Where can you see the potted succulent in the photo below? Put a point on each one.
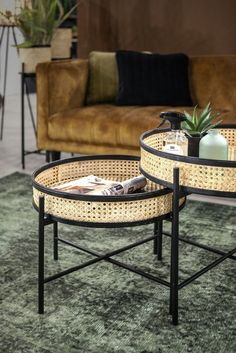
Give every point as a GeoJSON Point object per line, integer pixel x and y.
{"type": "Point", "coordinates": [197, 125]}
{"type": "Point", "coordinates": [37, 23]}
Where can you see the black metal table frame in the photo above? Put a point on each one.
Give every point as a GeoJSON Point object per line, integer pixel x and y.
{"type": "Point", "coordinates": [45, 220]}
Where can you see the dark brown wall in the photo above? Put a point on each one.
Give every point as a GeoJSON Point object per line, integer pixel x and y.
{"type": "Point", "coordinates": [192, 26]}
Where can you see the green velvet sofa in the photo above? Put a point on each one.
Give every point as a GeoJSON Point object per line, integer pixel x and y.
{"type": "Point", "coordinates": [66, 124]}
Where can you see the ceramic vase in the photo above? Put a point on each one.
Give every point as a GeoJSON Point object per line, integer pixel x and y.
{"type": "Point", "coordinates": [213, 146]}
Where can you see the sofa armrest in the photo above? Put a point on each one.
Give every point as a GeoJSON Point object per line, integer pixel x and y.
{"type": "Point", "coordinates": [60, 86]}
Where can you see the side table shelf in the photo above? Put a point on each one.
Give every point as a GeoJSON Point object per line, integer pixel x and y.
{"type": "Point", "coordinates": [191, 175]}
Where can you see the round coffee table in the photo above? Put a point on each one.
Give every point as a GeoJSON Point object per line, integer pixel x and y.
{"type": "Point", "coordinates": [153, 205]}
{"type": "Point", "coordinates": [186, 175]}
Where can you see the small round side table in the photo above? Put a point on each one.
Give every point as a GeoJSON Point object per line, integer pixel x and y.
{"type": "Point", "coordinates": [153, 205]}
{"type": "Point", "coordinates": [186, 175]}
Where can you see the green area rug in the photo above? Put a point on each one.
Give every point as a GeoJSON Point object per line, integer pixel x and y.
{"type": "Point", "coordinates": [106, 309]}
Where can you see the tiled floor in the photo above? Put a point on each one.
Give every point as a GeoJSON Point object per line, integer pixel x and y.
{"type": "Point", "coordinates": [10, 146]}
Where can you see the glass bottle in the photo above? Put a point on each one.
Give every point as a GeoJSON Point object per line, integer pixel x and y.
{"type": "Point", "coordinates": [175, 140]}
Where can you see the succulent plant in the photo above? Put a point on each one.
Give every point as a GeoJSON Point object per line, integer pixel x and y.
{"type": "Point", "coordinates": [198, 123]}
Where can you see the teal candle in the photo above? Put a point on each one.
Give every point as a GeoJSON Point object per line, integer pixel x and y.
{"type": "Point", "coordinates": [213, 146]}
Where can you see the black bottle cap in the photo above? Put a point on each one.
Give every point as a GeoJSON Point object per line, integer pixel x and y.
{"type": "Point", "coordinates": [175, 119]}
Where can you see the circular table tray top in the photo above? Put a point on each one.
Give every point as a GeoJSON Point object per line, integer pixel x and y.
{"type": "Point", "coordinates": [143, 207]}
{"type": "Point", "coordinates": [203, 176]}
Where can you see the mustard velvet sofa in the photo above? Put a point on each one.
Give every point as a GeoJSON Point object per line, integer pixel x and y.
{"type": "Point", "coordinates": [66, 124]}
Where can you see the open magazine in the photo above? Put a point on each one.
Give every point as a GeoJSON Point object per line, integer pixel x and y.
{"type": "Point", "coordinates": [94, 185]}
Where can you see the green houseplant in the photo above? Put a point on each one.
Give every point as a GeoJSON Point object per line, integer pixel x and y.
{"type": "Point", "coordinates": [197, 125]}
{"type": "Point", "coordinates": [37, 22]}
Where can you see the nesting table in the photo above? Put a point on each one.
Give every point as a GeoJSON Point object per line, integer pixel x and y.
{"type": "Point", "coordinates": [153, 205]}
{"type": "Point", "coordinates": [170, 179]}
{"type": "Point", "coordinates": [186, 175]}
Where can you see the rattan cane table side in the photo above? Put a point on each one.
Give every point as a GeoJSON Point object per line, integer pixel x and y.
{"type": "Point", "coordinates": [196, 175]}
{"type": "Point", "coordinates": [106, 212]}
{"type": "Point", "coordinates": [139, 207]}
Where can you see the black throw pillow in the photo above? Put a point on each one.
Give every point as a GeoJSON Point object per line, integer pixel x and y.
{"type": "Point", "coordinates": [153, 79]}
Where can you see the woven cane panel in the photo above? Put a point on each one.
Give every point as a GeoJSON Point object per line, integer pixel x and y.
{"type": "Point", "coordinates": [106, 212]}
{"type": "Point", "coordinates": [48, 177]}
{"type": "Point", "coordinates": [230, 135]}
{"type": "Point", "coordinates": [191, 175]}
{"type": "Point", "coordinates": [96, 211]}
{"type": "Point", "coordinates": [110, 169]}
{"type": "Point", "coordinates": [155, 141]}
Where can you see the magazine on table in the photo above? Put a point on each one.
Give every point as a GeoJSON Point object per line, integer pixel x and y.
{"type": "Point", "coordinates": [94, 185]}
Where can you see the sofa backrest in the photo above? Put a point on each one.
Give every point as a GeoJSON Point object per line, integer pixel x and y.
{"type": "Point", "coordinates": [213, 79]}
{"type": "Point", "coordinates": [61, 85]}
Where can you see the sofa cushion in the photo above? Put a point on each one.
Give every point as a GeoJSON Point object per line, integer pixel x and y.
{"type": "Point", "coordinates": [152, 79]}
{"type": "Point", "coordinates": [105, 124]}
{"type": "Point", "coordinates": [103, 78]}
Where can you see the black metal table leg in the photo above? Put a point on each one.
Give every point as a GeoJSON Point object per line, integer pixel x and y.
{"type": "Point", "coordinates": [41, 257]}
{"type": "Point", "coordinates": [14, 38]}
{"type": "Point", "coordinates": [175, 249]}
{"type": "Point", "coordinates": [55, 155]}
{"type": "Point", "coordinates": [2, 34]}
{"type": "Point", "coordinates": [22, 118]}
{"type": "Point", "coordinates": [55, 240]}
{"type": "Point", "coordinates": [1, 38]}
{"type": "Point", "coordinates": [4, 83]}
{"type": "Point", "coordinates": [157, 246]}
{"type": "Point", "coordinates": [30, 109]}
{"type": "Point", "coordinates": [47, 157]}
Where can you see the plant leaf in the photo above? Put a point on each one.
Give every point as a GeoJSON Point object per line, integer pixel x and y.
{"type": "Point", "coordinates": [211, 126]}
{"type": "Point", "coordinates": [204, 116]}
{"type": "Point", "coordinates": [189, 123]}
{"type": "Point", "coordinates": [195, 117]}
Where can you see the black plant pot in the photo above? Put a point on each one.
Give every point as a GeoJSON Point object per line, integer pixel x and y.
{"type": "Point", "coordinates": [193, 146]}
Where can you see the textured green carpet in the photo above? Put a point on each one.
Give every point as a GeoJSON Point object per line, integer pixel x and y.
{"type": "Point", "coordinates": [105, 309]}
